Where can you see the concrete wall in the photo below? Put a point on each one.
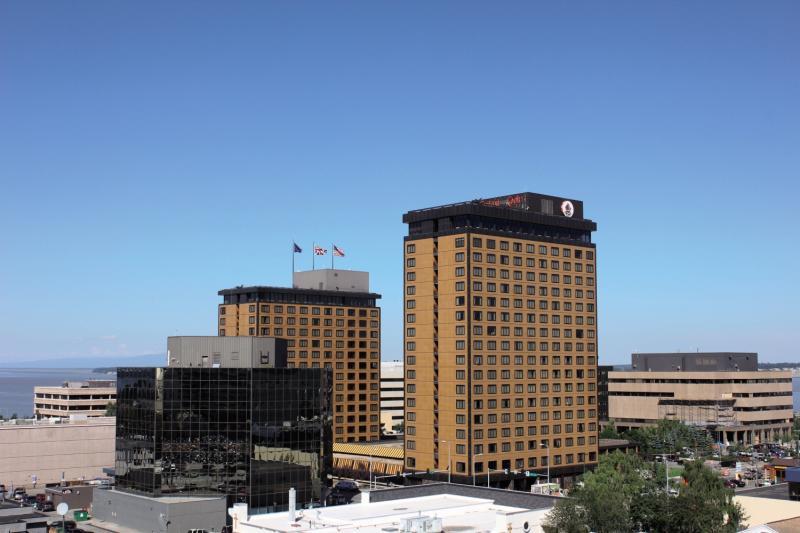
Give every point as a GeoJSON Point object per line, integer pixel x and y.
{"type": "Point", "coordinates": [327, 279]}
{"type": "Point", "coordinates": [79, 450]}
{"type": "Point", "coordinates": [695, 362]}
{"type": "Point", "coordinates": [163, 515]}
{"type": "Point", "coordinates": [229, 352]}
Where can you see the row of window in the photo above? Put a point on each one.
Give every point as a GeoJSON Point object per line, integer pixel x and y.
{"type": "Point", "coordinates": [544, 373]}
{"type": "Point", "coordinates": [411, 416]}
{"type": "Point", "coordinates": [530, 360]}
{"type": "Point", "coordinates": [491, 447]}
{"type": "Point", "coordinates": [507, 288]}
{"type": "Point", "coordinates": [477, 242]}
{"type": "Point", "coordinates": [491, 301]}
{"type": "Point", "coordinates": [689, 381]}
{"type": "Point", "coordinates": [505, 331]}
{"type": "Point", "coordinates": [519, 403]}
{"type": "Point", "coordinates": [291, 321]}
{"type": "Point", "coordinates": [303, 310]}
{"type": "Point", "coordinates": [530, 346]}
{"type": "Point", "coordinates": [315, 354]}
{"type": "Point", "coordinates": [504, 316]}
{"type": "Point", "coordinates": [530, 263]}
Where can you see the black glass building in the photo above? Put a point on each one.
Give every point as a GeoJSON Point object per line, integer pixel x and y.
{"type": "Point", "coordinates": [248, 433]}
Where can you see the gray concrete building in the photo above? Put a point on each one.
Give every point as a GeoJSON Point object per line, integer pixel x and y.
{"type": "Point", "coordinates": [738, 406]}
{"type": "Point", "coordinates": [114, 510]}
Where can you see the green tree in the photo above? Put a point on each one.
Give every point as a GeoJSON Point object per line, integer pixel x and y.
{"type": "Point", "coordinates": [626, 494]}
{"type": "Point", "coordinates": [13, 416]}
{"type": "Point", "coordinates": [619, 495]}
{"type": "Point", "coordinates": [111, 409]}
{"type": "Point", "coordinates": [610, 431]}
{"type": "Point", "coordinates": [704, 504]}
{"type": "Point", "coordinates": [669, 436]}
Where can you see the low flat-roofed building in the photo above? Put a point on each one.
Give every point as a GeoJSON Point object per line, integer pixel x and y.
{"type": "Point", "coordinates": [85, 398]}
{"type": "Point", "coordinates": [78, 449]}
{"type": "Point", "coordinates": [124, 512]}
{"type": "Point", "coordinates": [737, 406]}
{"type": "Point", "coordinates": [400, 510]}
{"type": "Point", "coordinates": [14, 518]}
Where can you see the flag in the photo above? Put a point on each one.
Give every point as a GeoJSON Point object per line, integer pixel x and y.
{"type": "Point", "coordinates": [297, 249]}
{"type": "Point", "coordinates": [319, 250]}
{"type": "Point", "coordinates": [338, 252]}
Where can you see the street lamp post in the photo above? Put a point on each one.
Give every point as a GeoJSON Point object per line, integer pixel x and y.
{"type": "Point", "coordinates": [548, 461]}
{"type": "Point", "coordinates": [449, 463]}
{"type": "Point", "coordinates": [474, 479]}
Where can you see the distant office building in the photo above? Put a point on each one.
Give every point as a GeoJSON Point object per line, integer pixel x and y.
{"type": "Point", "coordinates": [82, 398]}
{"type": "Point", "coordinates": [392, 396]}
{"type": "Point", "coordinates": [330, 320]}
{"type": "Point", "coordinates": [50, 451]}
{"type": "Point", "coordinates": [224, 420]}
{"type": "Point", "coordinates": [706, 390]}
{"type": "Point", "coordinates": [501, 338]}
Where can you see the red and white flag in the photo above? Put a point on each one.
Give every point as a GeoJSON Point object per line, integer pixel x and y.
{"type": "Point", "coordinates": [338, 252]}
{"type": "Point", "coordinates": [319, 250]}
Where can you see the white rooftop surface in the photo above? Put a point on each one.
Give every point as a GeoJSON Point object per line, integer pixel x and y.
{"type": "Point", "coordinates": [458, 513]}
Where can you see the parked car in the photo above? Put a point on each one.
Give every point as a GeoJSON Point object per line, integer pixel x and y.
{"type": "Point", "coordinates": [730, 483]}
{"type": "Point", "coordinates": [29, 500]}
{"type": "Point", "coordinates": [45, 507]}
{"type": "Point", "coordinates": [19, 494]}
{"type": "Point", "coordinates": [347, 484]}
{"type": "Point", "coordinates": [69, 525]}
{"type": "Point", "coordinates": [740, 483]}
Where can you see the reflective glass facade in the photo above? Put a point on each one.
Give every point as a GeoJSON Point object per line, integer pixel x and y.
{"type": "Point", "coordinates": [249, 433]}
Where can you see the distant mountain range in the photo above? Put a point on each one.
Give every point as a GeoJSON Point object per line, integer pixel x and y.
{"type": "Point", "coordinates": [88, 362]}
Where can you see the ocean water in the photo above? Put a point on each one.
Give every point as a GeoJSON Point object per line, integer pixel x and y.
{"type": "Point", "coordinates": [16, 385]}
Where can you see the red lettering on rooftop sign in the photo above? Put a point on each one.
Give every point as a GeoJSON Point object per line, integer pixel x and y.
{"type": "Point", "coordinates": [516, 201]}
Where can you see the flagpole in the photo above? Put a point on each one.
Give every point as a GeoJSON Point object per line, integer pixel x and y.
{"type": "Point", "coordinates": [313, 254]}
{"type": "Point", "coordinates": [332, 254]}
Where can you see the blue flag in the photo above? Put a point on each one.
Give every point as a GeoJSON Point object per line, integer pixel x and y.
{"type": "Point", "coordinates": [297, 249]}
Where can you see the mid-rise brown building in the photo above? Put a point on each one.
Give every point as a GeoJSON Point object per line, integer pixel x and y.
{"type": "Point", "coordinates": [330, 320]}
{"type": "Point", "coordinates": [501, 338]}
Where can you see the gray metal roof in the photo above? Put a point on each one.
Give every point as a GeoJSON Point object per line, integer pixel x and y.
{"type": "Point", "coordinates": [510, 498]}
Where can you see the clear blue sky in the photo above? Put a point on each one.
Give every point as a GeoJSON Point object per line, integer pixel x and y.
{"type": "Point", "coordinates": [152, 153]}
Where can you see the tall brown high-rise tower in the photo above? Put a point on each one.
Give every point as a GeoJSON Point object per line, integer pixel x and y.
{"type": "Point", "coordinates": [501, 338]}
{"type": "Point", "coordinates": [330, 320]}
